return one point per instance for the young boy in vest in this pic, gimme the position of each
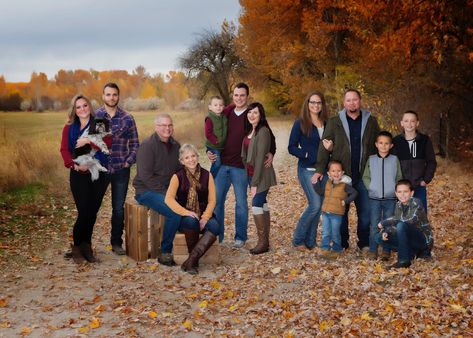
(416, 154)
(408, 231)
(215, 131)
(382, 171)
(338, 194)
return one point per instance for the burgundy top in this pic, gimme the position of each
(249, 168)
(231, 154)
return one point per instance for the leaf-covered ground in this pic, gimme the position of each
(281, 293)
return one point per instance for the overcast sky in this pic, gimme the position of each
(48, 35)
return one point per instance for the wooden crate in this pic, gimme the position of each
(212, 256)
(143, 231)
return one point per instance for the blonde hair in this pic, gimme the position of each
(187, 147)
(71, 116)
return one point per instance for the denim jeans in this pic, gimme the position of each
(119, 186)
(420, 192)
(380, 209)
(408, 241)
(88, 197)
(215, 167)
(155, 201)
(191, 223)
(305, 232)
(362, 203)
(227, 176)
(260, 197)
(331, 232)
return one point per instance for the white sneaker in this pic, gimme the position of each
(239, 243)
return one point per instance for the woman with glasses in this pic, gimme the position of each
(304, 141)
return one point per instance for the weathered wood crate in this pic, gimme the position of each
(212, 256)
(143, 231)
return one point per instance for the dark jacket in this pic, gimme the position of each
(304, 147)
(419, 164)
(337, 131)
(156, 162)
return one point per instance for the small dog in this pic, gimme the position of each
(98, 130)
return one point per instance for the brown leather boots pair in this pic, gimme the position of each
(197, 248)
(262, 222)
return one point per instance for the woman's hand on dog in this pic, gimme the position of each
(82, 142)
(80, 167)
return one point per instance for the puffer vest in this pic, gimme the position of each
(184, 186)
(334, 194)
(219, 129)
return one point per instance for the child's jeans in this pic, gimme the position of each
(215, 167)
(379, 209)
(408, 241)
(331, 232)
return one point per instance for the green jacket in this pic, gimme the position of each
(220, 125)
(260, 144)
(337, 130)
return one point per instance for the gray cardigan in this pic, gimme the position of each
(263, 178)
(156, 162)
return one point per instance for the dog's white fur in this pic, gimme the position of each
(88, 159)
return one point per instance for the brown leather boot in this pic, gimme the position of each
(192, 237)
(77, 255)
(204, 243)
(263, 233)
(86, 251)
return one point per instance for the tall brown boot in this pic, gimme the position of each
(263, 244)
(204, 243)
(86, 251)
(192, 237)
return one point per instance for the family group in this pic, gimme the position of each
(341, 159)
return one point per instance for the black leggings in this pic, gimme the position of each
(88, 197)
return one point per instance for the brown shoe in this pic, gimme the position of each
(86, 251)
(372, 255)
(204, 243)
(385, 256)
(262, 229)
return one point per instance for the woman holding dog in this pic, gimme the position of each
(87, 194)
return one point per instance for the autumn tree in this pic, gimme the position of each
(213, 60)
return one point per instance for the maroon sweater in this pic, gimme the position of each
(231, 154)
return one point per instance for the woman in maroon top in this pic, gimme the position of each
(87, 194)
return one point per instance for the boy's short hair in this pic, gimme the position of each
(386, 134)
(348, 90)
(406, 183)
(332, 162)
(411, 112)
(111, 85)
(244, 86)
(215, 97)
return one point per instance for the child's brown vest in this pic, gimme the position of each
(334, 194)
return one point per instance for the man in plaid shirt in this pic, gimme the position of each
(125, 144)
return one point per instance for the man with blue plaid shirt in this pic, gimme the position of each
(125, 144)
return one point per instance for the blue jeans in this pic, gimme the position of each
(362, 203)
(191, 223)
(260, 197)
(119, 186)
(380, 209)
(155, 201)
(420, 192)
(227, 176)
(305, 232)
(331, 232)
(408, 241)
(215, 167)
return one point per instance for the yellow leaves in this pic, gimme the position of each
(84, 329)
(152, 314)
(289, 334)
(366, 316)
(25, 331)
(152, 267)
(378, 268)
(5, 324)
(232, 308)
(349, 301)
(108, 247)
(458, 308)
(100, 308)
(215, 284)
(389, 308)
(187, 324)
(325, 325)
(203, 304)
(94, 323)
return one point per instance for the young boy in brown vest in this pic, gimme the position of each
(338, 194)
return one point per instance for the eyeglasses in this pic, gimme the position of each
(165, 125)
(315, 102)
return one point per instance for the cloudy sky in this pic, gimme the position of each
(48, 35)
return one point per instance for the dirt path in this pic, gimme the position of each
(282, 293)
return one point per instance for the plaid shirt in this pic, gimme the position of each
(125, 141)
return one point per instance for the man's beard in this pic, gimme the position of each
(110, 106)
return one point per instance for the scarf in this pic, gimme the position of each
(75, 133)
(192, 197)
